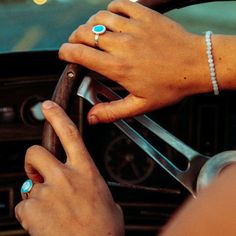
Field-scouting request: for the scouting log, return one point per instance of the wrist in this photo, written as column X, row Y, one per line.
column 225, row 62
column 223, row 52
column 199, row 73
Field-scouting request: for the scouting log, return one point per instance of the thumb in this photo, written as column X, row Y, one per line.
column 111, row 111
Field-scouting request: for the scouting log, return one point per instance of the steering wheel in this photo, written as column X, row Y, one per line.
column 200, row 170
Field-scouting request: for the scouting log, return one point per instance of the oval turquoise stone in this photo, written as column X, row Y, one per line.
column 99, row 29
column 27, row 186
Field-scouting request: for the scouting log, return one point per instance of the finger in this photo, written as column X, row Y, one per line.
column 41, row 165
column 19, row 212
column 76, row 152
column 84, row 35
column 112, row 21
column 128, row 8
column 23, row 212
column 88, row 57
column 109, row 112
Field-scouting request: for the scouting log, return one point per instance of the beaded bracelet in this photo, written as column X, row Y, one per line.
column 211, row 63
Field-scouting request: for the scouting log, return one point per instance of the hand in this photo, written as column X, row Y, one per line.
column 151, row 56
column 71, row 198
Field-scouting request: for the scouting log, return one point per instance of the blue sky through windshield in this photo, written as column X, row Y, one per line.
column 26, row 25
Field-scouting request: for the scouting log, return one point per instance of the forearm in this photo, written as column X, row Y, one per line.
column 213, row 213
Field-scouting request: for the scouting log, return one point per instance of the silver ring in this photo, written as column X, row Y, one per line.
column 26, row 188
column 98, row 30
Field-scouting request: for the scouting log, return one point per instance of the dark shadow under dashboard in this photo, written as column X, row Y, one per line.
column 205, row 122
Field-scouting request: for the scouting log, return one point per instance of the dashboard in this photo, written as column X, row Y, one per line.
column 26, row 80
column 146, row 193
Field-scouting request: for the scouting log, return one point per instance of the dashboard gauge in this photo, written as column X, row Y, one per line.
column 7, row 114
column 31, row 111
column 127, row 163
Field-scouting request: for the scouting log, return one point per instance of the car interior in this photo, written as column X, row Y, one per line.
column 148, row 195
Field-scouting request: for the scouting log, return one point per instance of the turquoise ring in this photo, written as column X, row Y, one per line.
column 26, row 188
column 98, row 30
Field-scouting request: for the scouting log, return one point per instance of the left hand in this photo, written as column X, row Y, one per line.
column 152, row 57
column 71, row 198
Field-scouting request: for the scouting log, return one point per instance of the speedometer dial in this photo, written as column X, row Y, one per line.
column 127, row 163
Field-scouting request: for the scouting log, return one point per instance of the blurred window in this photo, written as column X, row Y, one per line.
column 46, row 24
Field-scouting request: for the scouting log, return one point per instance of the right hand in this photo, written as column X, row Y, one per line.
column 68, row 198
column 151, row 56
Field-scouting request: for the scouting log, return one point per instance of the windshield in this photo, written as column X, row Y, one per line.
column 46, row 24
column 42, row 24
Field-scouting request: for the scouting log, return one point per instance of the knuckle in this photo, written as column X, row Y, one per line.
column 120, row 68
column 28, row 207
column 73, row 53
column 78, row 54
column 82, row 29
column 18, row 212
column 111, row 116
column 32, row 150
column 110, row 5
column 72, row 132
column 21, row 213
column 107, row 114
column 24, row 225
column 63, row 177
column 76, row 35
column 114, row 4
column 92, row 173
column 55, row 112
column 100, row 15
column 60, row 175
column 63, row 51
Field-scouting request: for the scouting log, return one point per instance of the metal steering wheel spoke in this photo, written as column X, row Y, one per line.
column 91, row 89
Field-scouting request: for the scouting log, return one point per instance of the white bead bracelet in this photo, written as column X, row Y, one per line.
column 211, row 63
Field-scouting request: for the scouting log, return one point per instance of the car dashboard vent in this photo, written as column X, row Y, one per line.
column 146, row 209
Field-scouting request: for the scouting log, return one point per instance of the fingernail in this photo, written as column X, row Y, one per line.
column 48, row 105
column 93, row 120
